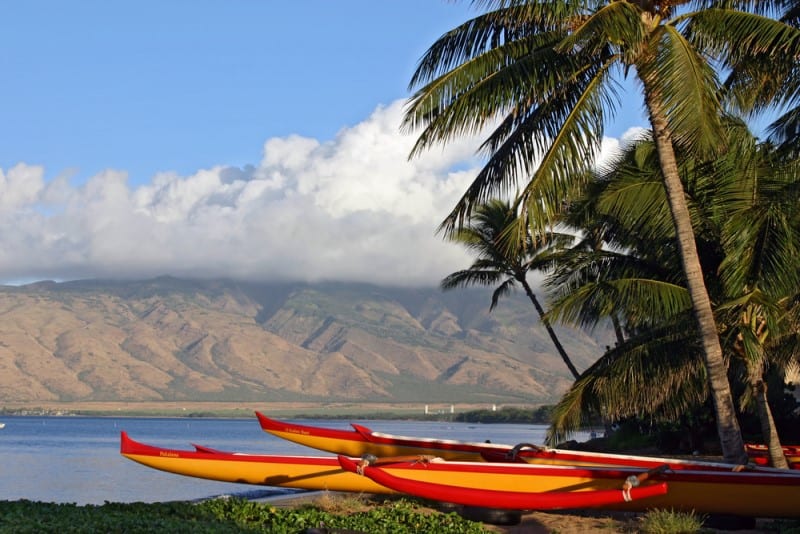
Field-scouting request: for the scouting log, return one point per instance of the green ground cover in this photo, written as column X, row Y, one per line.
column 226, row 516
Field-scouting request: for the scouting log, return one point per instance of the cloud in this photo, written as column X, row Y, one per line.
column 354, row 208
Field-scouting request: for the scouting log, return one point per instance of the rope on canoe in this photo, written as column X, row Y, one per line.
column 370, row 459
column 635, row 480
column 514, row 452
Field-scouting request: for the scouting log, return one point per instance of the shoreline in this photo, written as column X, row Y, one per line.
column 241, row 410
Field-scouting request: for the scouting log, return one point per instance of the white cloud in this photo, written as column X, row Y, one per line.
column 20, row 186
column 611, row 147
column 353, row 208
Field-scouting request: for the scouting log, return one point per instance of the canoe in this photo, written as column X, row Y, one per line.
column 510, row 485
column 756, row 448
column 302, row 472
column 773, row 494
column 502, row 499
column 759, row 454
column 361, row 440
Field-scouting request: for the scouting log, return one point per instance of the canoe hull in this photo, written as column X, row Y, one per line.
column 759, row 454
column 300, row 472
column 361, row 440
column 504, row 499
column 745, row 493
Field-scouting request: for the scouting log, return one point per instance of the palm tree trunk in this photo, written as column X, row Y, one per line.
column 730, row 434
column 768, row 430
column 546, row 323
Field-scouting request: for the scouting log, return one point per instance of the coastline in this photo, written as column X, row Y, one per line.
column 237, row 409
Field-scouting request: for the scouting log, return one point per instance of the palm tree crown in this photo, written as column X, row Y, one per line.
column 491, row 235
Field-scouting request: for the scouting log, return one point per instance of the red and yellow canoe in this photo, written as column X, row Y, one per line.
column 759, row 454
column 495, row 485
column 361, row 440
column 301, row 472
column 327, row 473
column 774, row 494
column 503, row 499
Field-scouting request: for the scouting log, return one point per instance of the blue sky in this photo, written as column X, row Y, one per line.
column 130, row 127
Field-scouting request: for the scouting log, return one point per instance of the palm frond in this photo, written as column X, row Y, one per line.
column 478, row 91
column 659, row 375
column 758, row 51
column 616, row 23
column 732, row 36
column 785, row 130
column 572, row 142
column 687, row 88
column 501, row 291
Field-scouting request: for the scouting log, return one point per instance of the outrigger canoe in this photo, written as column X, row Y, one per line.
column 361, row 440
column 759, row 454
column 498, row 485
column 502, row 499
column 326, row 473
column 301, row 472
column 758, row 494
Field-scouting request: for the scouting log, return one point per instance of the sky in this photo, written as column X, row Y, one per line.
column 250, row 139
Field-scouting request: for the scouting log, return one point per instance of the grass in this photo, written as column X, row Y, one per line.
column 670, row 522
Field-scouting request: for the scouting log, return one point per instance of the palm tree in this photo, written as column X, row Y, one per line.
column 760, row 272
column 746, row 217
column 548, row 71
column 500, row 258
column 631, row 272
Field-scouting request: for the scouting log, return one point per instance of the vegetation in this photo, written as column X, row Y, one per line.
column 538, row 416
column 670, row 522
column 226, row 515
column 744, row 215
column 544, row 75
column 328, row 514
column 501, row 258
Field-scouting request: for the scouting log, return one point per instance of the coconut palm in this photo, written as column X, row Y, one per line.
column 546, row 74
column 635, row 274
column 500, row 258
column 760, row 271
column 776, row 80
column 746, row 220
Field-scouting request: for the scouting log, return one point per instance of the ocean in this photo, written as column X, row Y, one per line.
column 74, row 459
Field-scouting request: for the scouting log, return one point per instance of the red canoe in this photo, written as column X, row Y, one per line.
column 301, row 472
column 758, row 494
column 760, row 455
column 361, row 440
column 517, row 486
column 508, row 500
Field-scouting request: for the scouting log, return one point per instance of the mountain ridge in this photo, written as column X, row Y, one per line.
column 171, row 339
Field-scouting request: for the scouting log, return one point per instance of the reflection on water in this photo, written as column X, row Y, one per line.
column 76, row 459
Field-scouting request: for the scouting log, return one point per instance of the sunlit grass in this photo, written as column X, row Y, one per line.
column 671, row 522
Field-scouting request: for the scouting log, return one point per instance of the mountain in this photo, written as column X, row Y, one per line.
column 169, row 339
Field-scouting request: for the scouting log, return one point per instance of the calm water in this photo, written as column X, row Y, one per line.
column 77, row 460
